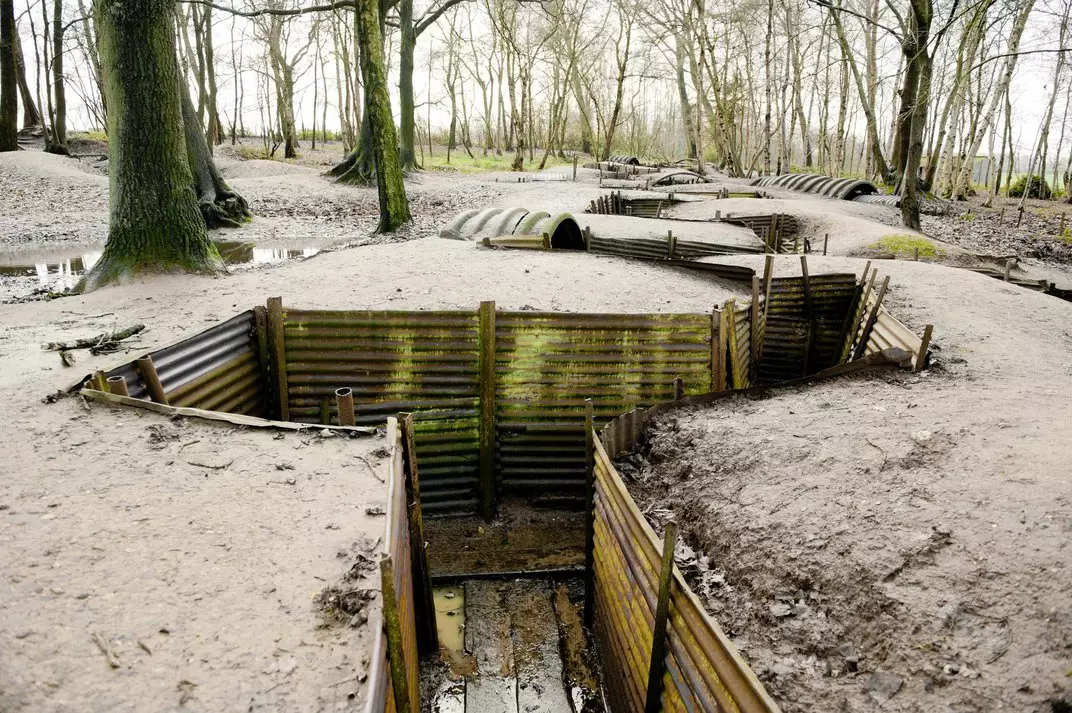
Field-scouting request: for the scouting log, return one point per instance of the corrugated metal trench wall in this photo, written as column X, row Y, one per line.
column 703, row 671
column 514, row 381
column 216, row 370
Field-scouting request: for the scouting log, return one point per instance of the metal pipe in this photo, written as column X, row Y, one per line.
column 118, row 385
column 344, row 402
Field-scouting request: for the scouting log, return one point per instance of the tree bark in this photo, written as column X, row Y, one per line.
column 9, row 91
column 220, row 205
column 155, row 224
column 407, row 46
column 394, row 208
column 58, row 141
column 922, row 65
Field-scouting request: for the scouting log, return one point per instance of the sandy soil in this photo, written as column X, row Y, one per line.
column 913, row 526
column 993, row 473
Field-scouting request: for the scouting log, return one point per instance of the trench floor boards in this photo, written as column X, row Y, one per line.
column 512, row 660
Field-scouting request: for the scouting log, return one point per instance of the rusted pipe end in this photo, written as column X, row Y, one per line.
column 118, row 385
column 344, row 402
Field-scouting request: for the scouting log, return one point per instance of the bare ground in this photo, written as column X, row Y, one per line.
column 993, row 473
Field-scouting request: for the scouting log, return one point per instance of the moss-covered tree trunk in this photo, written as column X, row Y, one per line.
column 382, row 140
column 9, row 93
column 155, row 223
column 221, row 206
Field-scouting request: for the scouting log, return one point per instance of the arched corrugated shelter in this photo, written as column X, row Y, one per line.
column 624, row 159
column 842, row 188
column 478, row 224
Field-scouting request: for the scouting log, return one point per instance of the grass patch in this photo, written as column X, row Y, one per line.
column 252, row 153
column 900, row 244
column 93, row 135
column 460, row 161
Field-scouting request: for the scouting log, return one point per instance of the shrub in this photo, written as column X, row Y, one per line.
column 1039, row 187
column 906, row 245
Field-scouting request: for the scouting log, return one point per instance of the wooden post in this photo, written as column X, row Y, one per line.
column 147, row 370
column 754, row 339
column 657, row 662
column 589, row 517
column 277, row 350
column 487, row 410
column 574, row 167
column 679, row 392
column 325, row 411
column 671, row 243
column 810, row 312
column 344, row 404
column 871, row 318
column 826, row 241
column 424, row 602
column 1008, row 269
column 392, row 625
column 729, row 342
column 921, row 360
column 264, row 359
column 915, row 254
column 718, row 352
column 587, row 235
column 1001, row 218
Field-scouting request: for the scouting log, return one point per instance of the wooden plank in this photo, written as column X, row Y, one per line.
column 264, row 358
column 754, row 341
column 536, row 651
column 486, row 486
column 277, row 349
column 487, row 638
column 810, row 313
column 424, row 602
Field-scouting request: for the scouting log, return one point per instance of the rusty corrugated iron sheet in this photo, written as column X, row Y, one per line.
column 548, row 363
column 477, row 224
column 422, row 362
column 805, row 333
column 703, row 670
column 217, row 370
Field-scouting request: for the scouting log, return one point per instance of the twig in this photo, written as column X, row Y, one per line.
column 883, row 466
column 100, row 343
column 105, row 649
column 190, row 443
column 371, row 469
column 210, row 467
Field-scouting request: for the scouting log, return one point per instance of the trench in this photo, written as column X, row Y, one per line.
column 518, row 573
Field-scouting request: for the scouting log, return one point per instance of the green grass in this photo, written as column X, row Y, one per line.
column 906, row 245
column 93, row 135
column 460, row 161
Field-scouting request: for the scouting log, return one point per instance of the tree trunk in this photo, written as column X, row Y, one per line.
column 394, row 208
column 920, row 24
column 9, row 91
column 220, row 205
column 58, row 142
column 407, row 45
column 963, row 178
column 31, row 116
column 155, row 224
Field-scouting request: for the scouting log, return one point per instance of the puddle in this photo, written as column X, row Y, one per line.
column 61, row 269
column 450, row 616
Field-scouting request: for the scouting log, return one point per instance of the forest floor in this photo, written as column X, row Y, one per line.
column 923, row 521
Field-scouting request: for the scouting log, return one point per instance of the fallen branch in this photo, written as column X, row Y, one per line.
column 209, row 466
column 105, row 649
column 100, row 344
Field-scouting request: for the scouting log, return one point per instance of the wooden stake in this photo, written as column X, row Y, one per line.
column 1008, row 269
column 679, row 392
column 826, row 240
column 657, row 662
column 574, row 167
column 670, row 244
column 921, row 359
column 392, row 625
column 264, row 358
column 487, row 410
column 589, row 517
column 147, row 371
column 753, row 345
column 718, row 352
column 277, row 349
column 915, row 255
column 810, row 312
column 871, row 319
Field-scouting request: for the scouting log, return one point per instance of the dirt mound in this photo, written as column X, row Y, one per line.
column 263, row 168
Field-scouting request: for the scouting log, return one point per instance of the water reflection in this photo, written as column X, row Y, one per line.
column 63, row 270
